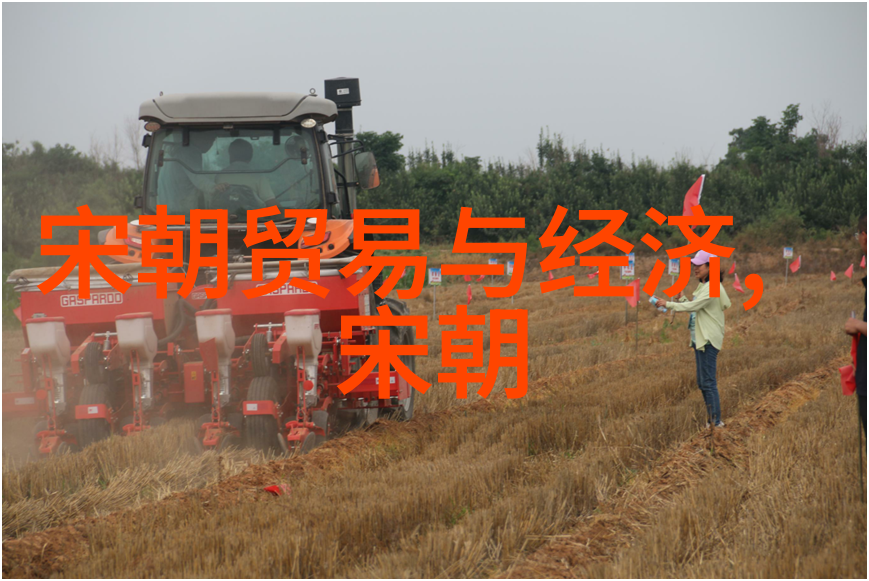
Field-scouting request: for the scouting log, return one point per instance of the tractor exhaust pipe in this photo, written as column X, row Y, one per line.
column 345, row 93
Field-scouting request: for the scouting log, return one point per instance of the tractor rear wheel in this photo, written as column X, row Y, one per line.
column 90, row 431
column 404, row 411
column 259, row 431
column 260, row 356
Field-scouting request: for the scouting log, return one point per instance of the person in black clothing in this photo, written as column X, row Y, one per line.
column 856, row 327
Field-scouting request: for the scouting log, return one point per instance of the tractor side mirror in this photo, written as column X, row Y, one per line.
column 366, row 170
column 138, row 202
column 146, row 140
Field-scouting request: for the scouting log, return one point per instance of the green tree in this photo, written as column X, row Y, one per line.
column 385, row 147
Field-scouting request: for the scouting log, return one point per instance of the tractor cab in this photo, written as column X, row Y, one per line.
column 261, row 360
column 240, row 152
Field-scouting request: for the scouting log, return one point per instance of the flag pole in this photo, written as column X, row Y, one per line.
column 860, row 450
column 859, row 437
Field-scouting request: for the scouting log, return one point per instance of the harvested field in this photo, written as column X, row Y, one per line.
column 602, row 470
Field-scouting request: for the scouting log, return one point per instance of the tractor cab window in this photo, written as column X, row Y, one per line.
column 236, row 170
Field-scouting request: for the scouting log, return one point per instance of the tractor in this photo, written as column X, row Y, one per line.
column 259, row 372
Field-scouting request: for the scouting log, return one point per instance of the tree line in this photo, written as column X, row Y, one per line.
column 770, row 178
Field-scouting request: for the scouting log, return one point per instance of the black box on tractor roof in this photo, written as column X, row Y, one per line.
column 344, row 91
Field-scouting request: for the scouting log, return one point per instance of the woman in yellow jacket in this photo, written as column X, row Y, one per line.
column 707, row 333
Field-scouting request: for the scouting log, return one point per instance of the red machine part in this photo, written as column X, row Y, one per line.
column 96, row 314
column 211, row 433
column 194, row 382
column 90, row 412
column 184, row 372
column 261, row 408
column 248, row 312
column 51, row 440
column 24, row 403
column 368, row 389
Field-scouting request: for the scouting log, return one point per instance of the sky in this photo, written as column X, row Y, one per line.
column 658, row 81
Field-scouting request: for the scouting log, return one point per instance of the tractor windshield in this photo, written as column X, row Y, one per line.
column 235, row 169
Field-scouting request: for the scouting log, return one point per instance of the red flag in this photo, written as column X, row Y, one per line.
column 594, row 274
column 692, row 198
column 467, row 278
column 481, row 277
column 850, row 271
column 17, row 311
column 849, row 382
column 863, row 262
column 634, row 298
column 832, row 275
column 550, row 275
column 795, row 265
column 278, row 489
column 469, row 294
column 732, row 268
column 736, row 283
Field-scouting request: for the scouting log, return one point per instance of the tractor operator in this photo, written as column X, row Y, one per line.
column 236, row 173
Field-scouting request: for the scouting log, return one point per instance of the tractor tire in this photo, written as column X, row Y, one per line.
column 90, row 431
column 404, row 411
column 236, row 420
column 94, row 372
column 406, row 405
column 325, row 420
column 404, row 336
column 259, row 431
column 260, row 356
column 310, row 442
column 228, row 442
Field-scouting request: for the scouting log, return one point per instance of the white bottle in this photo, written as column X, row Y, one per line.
column 653, row 299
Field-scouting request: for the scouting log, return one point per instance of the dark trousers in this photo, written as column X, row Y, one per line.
column 707, row 373
column 861, row 407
